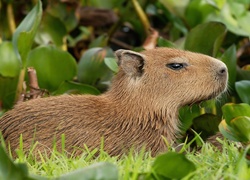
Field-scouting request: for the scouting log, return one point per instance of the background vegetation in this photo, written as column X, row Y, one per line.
column 71, row 43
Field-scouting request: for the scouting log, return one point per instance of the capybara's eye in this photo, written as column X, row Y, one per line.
column 176, row 66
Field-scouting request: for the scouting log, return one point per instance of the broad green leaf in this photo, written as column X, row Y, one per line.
column 243, row 74
column 231, row 111
column 168, row 166
column 175, row 7
column 243, row 90
column 51, row 30
column 24, row 35
column 91, row 68
column 206, row 38
column 241, row 126
column 70, row 87
column 10, row 65
column 216, row 3
column 227, row 131
column 229, row 58
column 64, row 13
column 161, row 42
column 112, row 64
column 237, row 8
column 207, row 124
column 9, row 170
column 8, row 86
column 53, row 66
column 187, row 114
column 197, row 12
column 9, row 73
column 99, row 171
column 234, row 15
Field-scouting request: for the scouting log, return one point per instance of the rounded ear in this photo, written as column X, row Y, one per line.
column 131, row 62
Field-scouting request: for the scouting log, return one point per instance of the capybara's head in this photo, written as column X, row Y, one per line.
column 170, row 77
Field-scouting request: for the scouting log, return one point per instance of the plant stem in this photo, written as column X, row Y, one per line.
column 11, row 19
column 20, row 85
column 142, row 16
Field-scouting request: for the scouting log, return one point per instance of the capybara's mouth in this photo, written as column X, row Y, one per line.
column 198, row 102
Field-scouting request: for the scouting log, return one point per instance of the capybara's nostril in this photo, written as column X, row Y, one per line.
column 222, row 71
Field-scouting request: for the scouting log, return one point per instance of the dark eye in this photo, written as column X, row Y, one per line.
column 176, row 66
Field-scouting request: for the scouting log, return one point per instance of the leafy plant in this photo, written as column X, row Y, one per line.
column 9, row 74
column 166, row 166
column 53, row 66
column 10, row 170
column 243, row 89
column 236, row 125
column 93, row 61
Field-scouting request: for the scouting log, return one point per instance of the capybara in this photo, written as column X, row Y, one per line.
column 140, row 107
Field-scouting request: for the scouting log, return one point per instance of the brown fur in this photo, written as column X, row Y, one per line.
column 141, row 105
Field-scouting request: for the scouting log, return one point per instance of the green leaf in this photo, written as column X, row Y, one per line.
column 10, row 65
column 231, row 111
column 241, row 126
column 174, row 6
column 98, row 171
column 9, row 73
column 187, row 115
column 161, row 42
column 243, row 22
column 197, row 12
column 227, row 131
column 53, row 66
column 9, row 170
column 70, row 87
column 91, row 68
column 51, row 30
column 206, row 38
column 62, row 11
column 112, row 64
column 25, row 33
column 8, row 88
column 229, row 58
column 235, row 16
column 243, row 74
column 168, row 166
column 207, row 124
column 243, row 90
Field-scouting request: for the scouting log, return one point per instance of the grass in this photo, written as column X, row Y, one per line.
column 210, row 163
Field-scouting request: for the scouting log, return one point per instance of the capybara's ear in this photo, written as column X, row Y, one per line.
column 130, row 62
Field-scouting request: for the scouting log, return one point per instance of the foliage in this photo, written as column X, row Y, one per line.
column 49, row 63
column 9, row 73
column 166, row 166
column 236, row 125
column 209, row 164
column 93, row 61
column 9, row 170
